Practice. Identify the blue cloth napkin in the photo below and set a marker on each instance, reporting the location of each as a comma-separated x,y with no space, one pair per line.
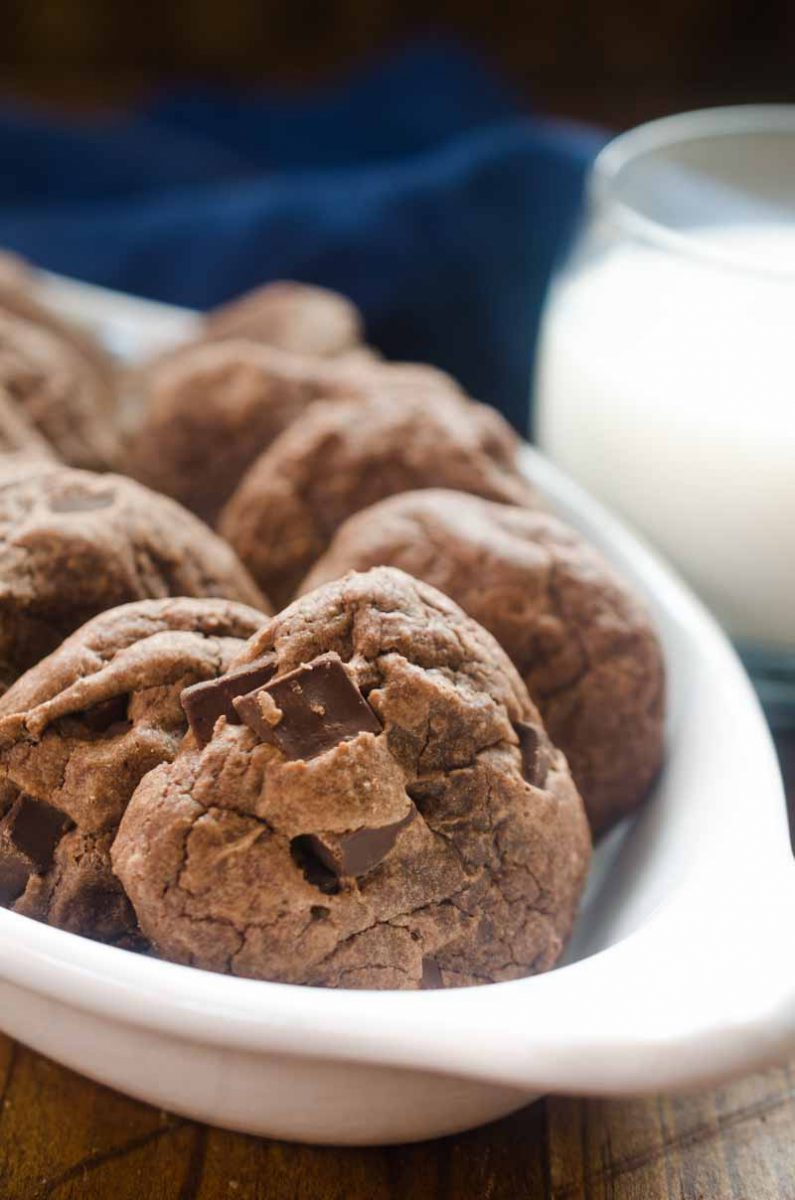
416,188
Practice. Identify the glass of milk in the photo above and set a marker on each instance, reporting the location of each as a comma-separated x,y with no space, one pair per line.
665,376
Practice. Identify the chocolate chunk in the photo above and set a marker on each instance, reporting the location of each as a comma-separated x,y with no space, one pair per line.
78,501
314,871
29,833
34,827
320,706
14,875
358,852
431,975
205,702
534,760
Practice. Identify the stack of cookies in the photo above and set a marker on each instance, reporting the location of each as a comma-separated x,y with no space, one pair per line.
394,781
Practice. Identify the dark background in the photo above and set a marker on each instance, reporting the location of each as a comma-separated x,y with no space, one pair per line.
615,62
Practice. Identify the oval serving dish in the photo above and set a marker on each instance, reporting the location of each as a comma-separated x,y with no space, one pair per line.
681,971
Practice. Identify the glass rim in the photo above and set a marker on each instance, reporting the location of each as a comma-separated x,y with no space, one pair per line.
721,121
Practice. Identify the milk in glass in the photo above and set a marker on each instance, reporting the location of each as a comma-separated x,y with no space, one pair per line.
666,385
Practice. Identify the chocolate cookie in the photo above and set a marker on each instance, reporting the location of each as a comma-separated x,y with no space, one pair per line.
369,799
15,273
344,456
22,295
77,734
17,434
210,410
298,317
582,641
73,544
57,382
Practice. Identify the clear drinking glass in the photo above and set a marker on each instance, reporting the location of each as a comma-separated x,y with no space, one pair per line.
665,376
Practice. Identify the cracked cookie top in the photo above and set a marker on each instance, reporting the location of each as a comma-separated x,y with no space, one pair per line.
344,456
210,409
73,544
78,732
582,641
368,799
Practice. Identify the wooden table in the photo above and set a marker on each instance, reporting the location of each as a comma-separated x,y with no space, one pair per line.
63,1137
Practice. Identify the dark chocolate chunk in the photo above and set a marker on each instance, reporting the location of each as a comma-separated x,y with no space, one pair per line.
205,702
14,875
431,975
534,760
311,867
320,706
358,852
29,833
34,828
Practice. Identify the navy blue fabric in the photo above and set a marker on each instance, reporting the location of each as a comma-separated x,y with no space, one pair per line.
415,188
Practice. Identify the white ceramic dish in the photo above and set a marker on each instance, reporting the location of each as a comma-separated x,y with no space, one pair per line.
681,972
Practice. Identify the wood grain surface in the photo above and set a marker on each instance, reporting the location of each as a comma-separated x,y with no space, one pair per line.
61,1136
64,1137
